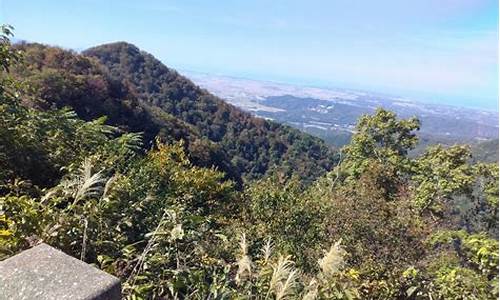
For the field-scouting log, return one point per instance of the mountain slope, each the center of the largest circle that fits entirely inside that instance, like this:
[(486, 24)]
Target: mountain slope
[(486, 151), (138, 93), (254, 145), (63, 78)]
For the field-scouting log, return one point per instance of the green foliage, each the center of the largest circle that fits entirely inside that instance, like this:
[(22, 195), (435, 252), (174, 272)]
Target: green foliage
[(477, 250), (8, 56), (488, 175), (279, 208), (382, 230), (461, 283), (381, 137), (478, 212), (254, 146), (65, 79), (440, 174)]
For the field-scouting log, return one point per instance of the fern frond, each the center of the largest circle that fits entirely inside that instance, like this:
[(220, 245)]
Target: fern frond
[(131, 141)]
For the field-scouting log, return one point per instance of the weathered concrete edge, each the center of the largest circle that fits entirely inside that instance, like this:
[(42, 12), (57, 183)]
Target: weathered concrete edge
[(109, 286)]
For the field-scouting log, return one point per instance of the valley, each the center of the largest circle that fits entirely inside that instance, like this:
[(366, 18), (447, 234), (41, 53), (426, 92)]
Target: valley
[(332, 113)]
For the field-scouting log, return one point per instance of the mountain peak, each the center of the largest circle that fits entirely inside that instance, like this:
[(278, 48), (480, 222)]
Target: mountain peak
[(115, 46)]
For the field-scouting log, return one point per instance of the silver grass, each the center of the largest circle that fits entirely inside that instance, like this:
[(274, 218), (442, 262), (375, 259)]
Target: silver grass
[(149, 246), (80, 186), (334, 260), (283, 278), (311, 290), (286, 288), (267, 251), (244, 263), (108, 185), (88, 184), (48, 195)]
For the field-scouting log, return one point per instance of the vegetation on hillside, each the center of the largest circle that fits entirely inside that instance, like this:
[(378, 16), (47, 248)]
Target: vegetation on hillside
[(486, 151), (254, 145), (215, 133), (379, 225)]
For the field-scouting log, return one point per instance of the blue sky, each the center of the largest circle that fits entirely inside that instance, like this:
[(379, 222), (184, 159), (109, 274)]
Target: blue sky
[(443, 51)]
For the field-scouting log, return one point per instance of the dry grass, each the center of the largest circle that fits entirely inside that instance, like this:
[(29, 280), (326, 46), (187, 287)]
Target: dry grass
[(244, 263), (334, 260), (283, 279)]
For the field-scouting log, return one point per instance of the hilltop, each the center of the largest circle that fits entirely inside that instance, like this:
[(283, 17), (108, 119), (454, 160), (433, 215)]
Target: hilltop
[(139, 93)]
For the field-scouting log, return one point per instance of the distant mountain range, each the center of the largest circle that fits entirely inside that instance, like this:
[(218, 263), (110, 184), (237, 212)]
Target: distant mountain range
[(332, 113)]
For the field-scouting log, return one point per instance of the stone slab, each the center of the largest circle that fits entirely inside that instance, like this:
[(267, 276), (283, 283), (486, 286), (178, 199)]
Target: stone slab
[(43, 273)]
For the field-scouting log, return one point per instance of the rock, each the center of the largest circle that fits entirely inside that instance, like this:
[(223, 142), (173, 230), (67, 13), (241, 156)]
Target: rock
[(43, 272)]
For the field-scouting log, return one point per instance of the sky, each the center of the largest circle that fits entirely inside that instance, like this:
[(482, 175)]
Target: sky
[(442, 51)]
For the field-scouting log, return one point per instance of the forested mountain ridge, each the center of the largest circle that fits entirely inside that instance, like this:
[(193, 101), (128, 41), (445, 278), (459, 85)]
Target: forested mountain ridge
[(138, 93), (254, 145), (61, 78)]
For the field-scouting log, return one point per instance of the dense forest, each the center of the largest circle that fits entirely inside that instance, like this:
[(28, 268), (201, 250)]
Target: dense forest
[(121, 162), (137, 93)]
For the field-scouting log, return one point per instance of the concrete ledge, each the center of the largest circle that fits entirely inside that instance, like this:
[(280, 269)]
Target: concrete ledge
[(43, 273)]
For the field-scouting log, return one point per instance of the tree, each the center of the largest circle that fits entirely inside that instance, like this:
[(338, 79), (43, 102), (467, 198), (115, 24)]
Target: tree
[(381, 137), (440, 174)]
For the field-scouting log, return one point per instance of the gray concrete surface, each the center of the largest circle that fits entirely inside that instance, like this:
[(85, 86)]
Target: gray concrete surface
[(43, 273)]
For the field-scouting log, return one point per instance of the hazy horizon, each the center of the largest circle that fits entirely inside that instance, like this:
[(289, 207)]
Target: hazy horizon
[(433, 52), (326, 86)]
